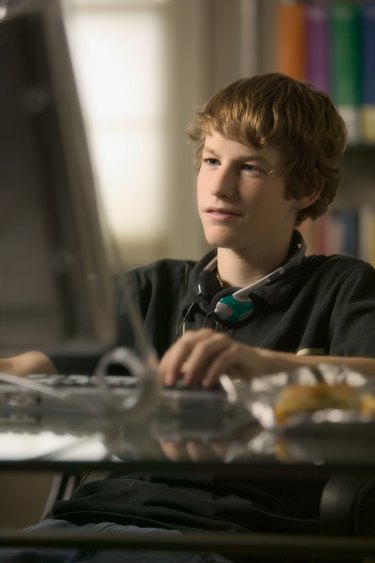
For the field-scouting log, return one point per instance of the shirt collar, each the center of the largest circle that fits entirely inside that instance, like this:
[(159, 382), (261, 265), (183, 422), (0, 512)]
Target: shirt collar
[(278, 294)]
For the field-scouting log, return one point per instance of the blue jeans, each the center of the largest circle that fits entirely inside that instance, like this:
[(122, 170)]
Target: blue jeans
[(73, 555)]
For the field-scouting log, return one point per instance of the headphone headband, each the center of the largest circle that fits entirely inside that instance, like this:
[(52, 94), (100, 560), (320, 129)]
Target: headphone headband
[(236, 306), (296, 258)]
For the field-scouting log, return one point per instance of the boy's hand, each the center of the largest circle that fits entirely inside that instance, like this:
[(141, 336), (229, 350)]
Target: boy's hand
[(27, 363), (202, 356)]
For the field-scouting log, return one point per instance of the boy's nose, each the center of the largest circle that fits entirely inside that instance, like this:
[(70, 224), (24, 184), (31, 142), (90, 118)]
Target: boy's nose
[(224, 183)]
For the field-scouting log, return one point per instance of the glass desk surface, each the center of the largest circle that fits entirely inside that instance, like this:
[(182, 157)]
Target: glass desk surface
[(184, 426), (184, 429)]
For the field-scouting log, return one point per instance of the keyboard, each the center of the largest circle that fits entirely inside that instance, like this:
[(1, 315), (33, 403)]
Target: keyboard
[(78, 395), (36, 424)]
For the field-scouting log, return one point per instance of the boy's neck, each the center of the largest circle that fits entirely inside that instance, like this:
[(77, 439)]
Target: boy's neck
[(235, 269)]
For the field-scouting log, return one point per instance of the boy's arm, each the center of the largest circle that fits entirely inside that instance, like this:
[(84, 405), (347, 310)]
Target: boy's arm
[(202, 356), (27, 363)]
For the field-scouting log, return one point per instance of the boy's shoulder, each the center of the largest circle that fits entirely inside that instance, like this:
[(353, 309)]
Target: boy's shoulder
[(337, 268), (166, 272), (166, 267), (337, 262)]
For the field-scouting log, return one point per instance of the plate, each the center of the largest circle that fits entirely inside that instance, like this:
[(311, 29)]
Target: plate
[(328, 436), (310, 412)]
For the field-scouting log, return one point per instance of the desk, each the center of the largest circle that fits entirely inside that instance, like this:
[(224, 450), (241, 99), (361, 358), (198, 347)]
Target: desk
[(184, 433)]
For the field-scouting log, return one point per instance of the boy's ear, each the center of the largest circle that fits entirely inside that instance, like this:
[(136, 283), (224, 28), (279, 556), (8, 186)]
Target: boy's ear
[(307, 200)]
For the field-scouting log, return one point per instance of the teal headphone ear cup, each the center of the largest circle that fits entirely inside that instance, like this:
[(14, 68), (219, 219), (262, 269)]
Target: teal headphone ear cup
[(221, 302), (229, 310), (232, 311)]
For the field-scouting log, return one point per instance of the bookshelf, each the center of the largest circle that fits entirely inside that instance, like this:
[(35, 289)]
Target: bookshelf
[(331, 44)]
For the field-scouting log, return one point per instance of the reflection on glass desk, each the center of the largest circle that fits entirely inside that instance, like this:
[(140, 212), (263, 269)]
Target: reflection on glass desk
[(184, 429), (39, 427), (183, 426)]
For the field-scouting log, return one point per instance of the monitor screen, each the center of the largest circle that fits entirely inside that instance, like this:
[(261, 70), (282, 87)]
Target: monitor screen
[(55, 292)]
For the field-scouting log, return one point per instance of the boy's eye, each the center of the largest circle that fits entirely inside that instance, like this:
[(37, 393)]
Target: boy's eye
[(248, 167), (211, 161), (253, 169)]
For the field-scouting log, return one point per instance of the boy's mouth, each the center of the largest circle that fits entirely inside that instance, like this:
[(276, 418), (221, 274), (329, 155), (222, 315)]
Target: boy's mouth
[(220, 213)]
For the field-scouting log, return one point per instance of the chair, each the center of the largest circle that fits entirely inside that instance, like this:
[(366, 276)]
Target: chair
[(347, 506)]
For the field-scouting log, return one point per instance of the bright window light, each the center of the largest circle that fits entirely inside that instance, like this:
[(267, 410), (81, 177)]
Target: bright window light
[(120, 58)]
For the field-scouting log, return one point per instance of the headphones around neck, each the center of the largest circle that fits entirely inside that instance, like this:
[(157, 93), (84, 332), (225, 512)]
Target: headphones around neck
[(232, 305)]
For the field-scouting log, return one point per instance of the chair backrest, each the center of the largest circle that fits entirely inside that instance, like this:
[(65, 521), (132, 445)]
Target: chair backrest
[(348, 506)]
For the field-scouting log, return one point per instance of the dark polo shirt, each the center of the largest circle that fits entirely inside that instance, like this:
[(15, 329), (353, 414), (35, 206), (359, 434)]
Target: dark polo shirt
[(324, 305)]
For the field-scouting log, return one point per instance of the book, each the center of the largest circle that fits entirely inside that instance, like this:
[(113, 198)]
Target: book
[(317, 46), (348, 217), (345, 55), (291, 45), (367, 15), (334, 233), (366, 233), (344, 230), (322, 234), (317, 235)]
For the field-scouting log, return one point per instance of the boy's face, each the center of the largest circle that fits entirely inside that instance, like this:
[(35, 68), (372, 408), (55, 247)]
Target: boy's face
[(241, 202)]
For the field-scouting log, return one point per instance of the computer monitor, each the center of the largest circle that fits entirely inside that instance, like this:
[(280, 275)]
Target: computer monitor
[(55, 292)]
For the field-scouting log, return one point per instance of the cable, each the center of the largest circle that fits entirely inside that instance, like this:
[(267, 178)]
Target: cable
[(19, 381)]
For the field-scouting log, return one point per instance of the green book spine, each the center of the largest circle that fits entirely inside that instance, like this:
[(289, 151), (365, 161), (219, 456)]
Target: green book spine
[(368, 71), (345, 63)]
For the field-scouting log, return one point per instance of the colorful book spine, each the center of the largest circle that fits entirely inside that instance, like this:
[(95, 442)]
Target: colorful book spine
[(367, 12), (291, 46), (334, 233), (317, 235), (322, 225), (350, 231), (346, 64), (366, 233), (317, 46)]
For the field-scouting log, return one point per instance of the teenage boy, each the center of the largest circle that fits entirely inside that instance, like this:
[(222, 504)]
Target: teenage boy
[(269, 156)]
